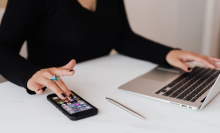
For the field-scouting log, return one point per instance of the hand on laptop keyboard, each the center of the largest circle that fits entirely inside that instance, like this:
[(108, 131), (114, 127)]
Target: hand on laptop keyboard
[(177, 58)]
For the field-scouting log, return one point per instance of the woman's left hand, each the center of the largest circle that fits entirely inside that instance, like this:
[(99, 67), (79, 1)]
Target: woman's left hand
[(177, 58)]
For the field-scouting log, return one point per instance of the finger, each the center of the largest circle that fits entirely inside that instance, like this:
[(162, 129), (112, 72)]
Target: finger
[(208, 63), (214, 63), (202, 59), (36, 87), (49, 73), (178, 63), (52, 86), (215, 59), (217, 64), (41, 89), (70, 65), (63, 72), (62, 85)]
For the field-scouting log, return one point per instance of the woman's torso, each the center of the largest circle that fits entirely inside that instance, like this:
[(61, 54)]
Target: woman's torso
[(68, 31)]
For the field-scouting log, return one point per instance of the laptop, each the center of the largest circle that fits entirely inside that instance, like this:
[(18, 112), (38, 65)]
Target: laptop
[(187, 90)]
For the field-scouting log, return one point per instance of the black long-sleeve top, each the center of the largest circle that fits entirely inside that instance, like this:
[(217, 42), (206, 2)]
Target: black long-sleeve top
[(57, 31)]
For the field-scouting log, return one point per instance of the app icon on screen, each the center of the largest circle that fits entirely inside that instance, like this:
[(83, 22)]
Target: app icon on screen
[(72, 111), (88, 107), (82, 102), (55, 97), (71, 105), (76, 104), (68, 103), (76, 98), (84, 105), (60, 102), (69, 109), (63, 105)]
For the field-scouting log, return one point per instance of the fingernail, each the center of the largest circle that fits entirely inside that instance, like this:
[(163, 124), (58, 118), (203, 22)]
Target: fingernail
[(71, 96), (39, 90), (63, 95), (71, 70), (189, 68)]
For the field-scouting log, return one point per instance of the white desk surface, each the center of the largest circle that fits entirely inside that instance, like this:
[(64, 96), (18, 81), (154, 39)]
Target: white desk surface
[(94, 81)]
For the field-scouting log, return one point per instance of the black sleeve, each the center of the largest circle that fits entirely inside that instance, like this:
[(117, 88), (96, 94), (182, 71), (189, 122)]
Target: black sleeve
[(133, 45), (19, 17)]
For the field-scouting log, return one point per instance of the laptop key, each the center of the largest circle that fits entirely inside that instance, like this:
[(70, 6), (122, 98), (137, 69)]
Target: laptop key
[(163, 90), (187, 98), (168, 92)]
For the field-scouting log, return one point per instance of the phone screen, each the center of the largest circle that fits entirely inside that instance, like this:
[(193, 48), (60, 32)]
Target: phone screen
[(72, 106)]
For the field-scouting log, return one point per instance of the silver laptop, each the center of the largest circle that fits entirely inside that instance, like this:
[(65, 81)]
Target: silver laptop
[(188, 90)]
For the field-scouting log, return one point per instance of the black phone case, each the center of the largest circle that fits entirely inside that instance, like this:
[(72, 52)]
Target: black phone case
[(76, 116)]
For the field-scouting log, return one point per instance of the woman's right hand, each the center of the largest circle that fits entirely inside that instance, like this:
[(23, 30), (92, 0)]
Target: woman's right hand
[(41, 79)]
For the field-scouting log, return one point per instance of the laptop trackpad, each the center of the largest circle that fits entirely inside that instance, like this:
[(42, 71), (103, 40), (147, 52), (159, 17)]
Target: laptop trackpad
[(159, 75)]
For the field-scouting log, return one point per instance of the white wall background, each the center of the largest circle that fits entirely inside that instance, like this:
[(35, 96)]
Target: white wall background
[(211, 32), (176, 23)]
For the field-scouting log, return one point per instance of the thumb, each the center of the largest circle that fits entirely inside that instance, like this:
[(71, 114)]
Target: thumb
[(182, 65), (70, 65)]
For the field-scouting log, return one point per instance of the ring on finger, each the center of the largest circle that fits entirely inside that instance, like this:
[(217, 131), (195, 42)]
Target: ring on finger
[(55, 78)]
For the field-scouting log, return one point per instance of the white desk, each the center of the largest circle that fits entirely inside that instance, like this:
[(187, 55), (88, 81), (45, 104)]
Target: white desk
[(94, 80)]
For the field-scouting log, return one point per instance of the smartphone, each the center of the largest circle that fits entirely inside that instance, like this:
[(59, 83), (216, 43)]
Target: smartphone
[(75, 109)]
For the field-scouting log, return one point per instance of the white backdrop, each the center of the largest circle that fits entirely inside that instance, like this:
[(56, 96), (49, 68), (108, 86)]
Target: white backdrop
[(211, 32), (176, 23)]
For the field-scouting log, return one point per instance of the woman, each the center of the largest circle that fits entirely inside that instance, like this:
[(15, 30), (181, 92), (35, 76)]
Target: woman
[(58, 31)]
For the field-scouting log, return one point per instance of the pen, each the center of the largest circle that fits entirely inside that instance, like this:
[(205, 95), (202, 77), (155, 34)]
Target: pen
[(125, 108)]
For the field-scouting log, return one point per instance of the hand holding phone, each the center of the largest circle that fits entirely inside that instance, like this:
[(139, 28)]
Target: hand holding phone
[(75, 109)]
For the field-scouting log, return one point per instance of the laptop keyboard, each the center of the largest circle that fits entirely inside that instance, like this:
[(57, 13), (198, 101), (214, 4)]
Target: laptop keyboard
[(190, 86)]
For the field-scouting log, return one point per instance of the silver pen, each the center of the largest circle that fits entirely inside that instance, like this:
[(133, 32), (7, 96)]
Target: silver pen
[(125, 108)]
